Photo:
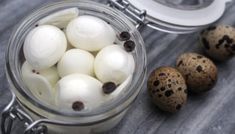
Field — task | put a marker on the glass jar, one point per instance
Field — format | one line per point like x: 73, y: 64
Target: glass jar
x: 39, y: 115
x: 43, y: 118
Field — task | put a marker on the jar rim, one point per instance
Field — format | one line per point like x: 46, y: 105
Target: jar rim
x: 11, y: 61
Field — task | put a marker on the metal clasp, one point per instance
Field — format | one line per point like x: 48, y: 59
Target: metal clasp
x: 135, y: 15
x: 13, y: 112
x: 8, y: 117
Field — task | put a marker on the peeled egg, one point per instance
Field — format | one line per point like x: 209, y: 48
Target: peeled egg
x: 60, y: 19
x: 90, y: 33
x: 44, y: 46
x: 78, y: 92
x: 40, y: 82
x: 113, y: 64
x: 76, y: 61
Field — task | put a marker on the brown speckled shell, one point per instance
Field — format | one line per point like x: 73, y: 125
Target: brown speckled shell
x: 200, y: 72
x: 218, y: 42
x: 167, y: 88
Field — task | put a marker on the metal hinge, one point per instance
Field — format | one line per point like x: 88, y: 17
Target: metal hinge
x: 139, y: 18
x: 135, y: 15
x: 13, y: 112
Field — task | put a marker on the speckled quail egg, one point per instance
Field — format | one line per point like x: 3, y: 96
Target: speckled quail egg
x: 44, y: 46
x: 113, y: 64
x: 218, y: 42
x: 76, y: 92
x: 167, y: 89
x: 76, y: 61
x: 40, y: 82
x: 200, y: 72
x: 90, y: 33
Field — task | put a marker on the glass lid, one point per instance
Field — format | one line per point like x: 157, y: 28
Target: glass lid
x: 178, y: 16
x: 185, y: 4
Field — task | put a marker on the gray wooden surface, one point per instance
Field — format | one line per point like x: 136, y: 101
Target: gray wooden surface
x: 209, y: 113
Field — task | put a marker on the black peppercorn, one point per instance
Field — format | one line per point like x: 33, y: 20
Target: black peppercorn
x: 109, y: 87
x: 125, y: 36
x: 78, y: 106
x: 129, y: 45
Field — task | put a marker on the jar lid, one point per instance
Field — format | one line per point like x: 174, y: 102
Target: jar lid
x: 178, y: 16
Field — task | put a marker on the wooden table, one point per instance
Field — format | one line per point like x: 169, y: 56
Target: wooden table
x: 209, y: 113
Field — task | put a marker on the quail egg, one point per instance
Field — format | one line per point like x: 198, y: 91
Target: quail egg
x: 90, y: 33
x: 218, y: 42
x: 61, y: 18
x: 113, y: 64
x: 76, y: 61
x: 200, y: 72
x: 40, y: 82
x: 78, y: 92
x: 44, y: 46
x: 167, y: 89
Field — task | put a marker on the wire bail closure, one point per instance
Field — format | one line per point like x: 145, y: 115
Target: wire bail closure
x: 140, y: 18
x: 12, y: 112
x: 135, y: 15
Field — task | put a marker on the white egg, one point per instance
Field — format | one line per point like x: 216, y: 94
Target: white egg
x: 40, y: 82
x: 76, y: 61
x: 113, y: 64
x: 44, y: 46
x: 61, y: 18
x: 79, y: 88
x: 90, y: 33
